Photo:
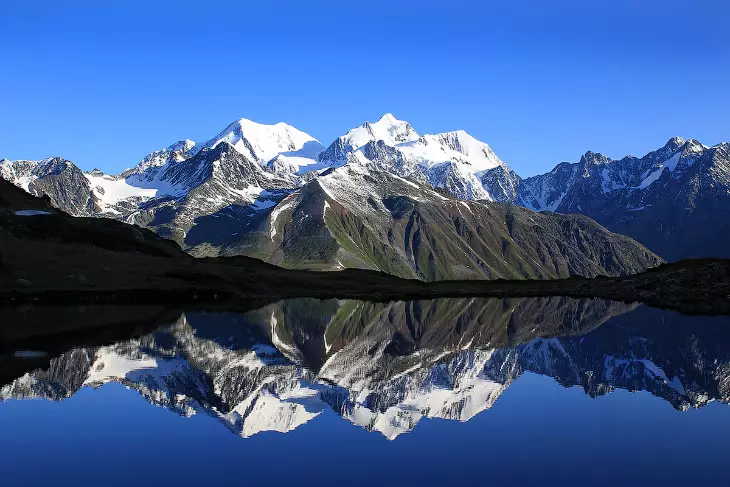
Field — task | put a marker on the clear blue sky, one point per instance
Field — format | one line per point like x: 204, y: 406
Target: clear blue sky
x: 104, y: 83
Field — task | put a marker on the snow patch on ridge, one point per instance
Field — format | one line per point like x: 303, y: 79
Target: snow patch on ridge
x: 650, y: 178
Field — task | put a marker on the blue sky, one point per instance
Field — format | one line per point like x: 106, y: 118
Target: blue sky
x: 103, y: 84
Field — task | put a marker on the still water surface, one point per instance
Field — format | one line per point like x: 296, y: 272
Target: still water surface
x: 308, y: 392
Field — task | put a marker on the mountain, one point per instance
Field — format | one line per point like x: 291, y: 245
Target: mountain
x: 58, y: 178
x: 217, y: 182
x: 675, y: 200
x: 387, y: 365
x: 380, y: 197
x: 388, y: 129
x: 355, y: 216
x: 179, y: 151
x: 280, y: 146
x: 453, y: 160
x: 158, y: 177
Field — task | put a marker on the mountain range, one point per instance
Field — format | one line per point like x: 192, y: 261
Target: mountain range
x: 386, y: 365
x: 434, y: 206
x: 675, y: 200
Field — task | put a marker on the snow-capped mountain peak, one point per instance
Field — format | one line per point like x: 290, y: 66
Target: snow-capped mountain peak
x: 262, y: 143
x: 454, y: 160
x: 693, y: 147
x: 388, y: 129
x: 388, y: 118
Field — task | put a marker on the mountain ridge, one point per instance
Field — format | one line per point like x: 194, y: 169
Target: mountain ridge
x: 206, y: 195
x: 409, y: 230
x: 675, y: 200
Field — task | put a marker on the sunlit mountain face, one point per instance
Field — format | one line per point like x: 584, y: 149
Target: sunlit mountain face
x: 383, y: 366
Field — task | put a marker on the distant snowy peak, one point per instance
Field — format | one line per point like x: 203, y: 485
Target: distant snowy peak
x: 634, y: 173
x: 674, y: 147
x: 261, y: 143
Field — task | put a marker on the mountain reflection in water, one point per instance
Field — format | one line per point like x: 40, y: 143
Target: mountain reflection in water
x: 384, y: 366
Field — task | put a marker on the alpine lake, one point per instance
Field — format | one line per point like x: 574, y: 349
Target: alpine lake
x: 469, y: 391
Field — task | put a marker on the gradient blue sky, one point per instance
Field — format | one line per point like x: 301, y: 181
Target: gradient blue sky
x: 104, y: 83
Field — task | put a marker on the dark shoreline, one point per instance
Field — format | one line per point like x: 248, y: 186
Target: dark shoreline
x: 690, y: 287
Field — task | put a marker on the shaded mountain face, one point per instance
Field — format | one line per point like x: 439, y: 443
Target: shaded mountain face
x: 386, y: 366
x: 366, y: 218
x: 675, y: 200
